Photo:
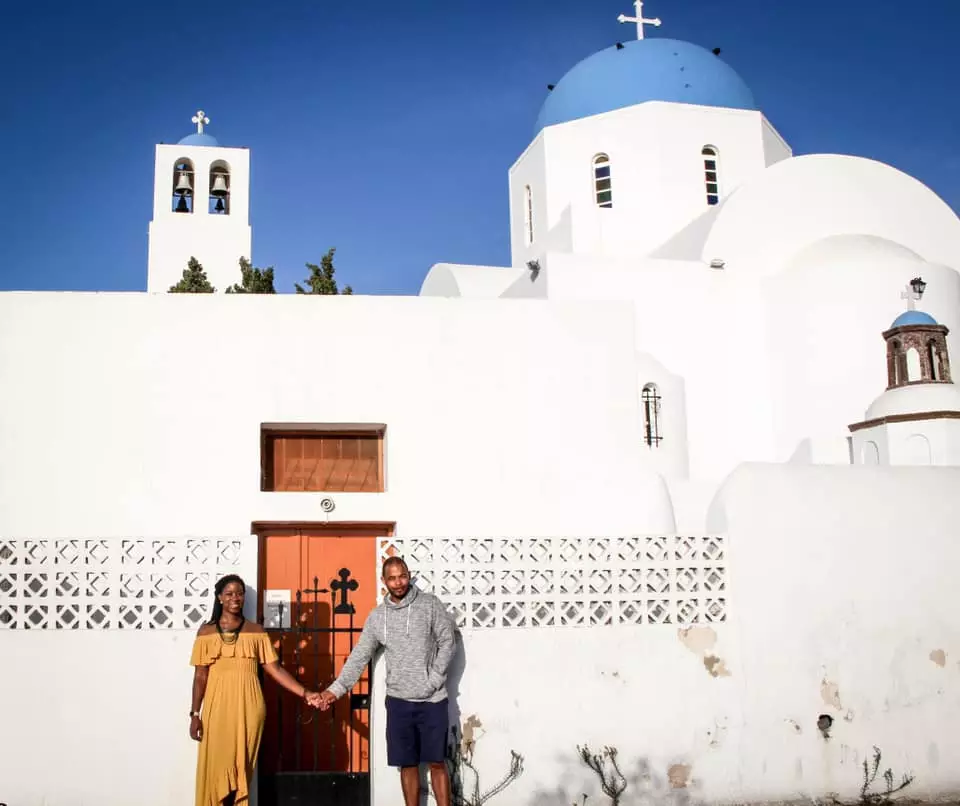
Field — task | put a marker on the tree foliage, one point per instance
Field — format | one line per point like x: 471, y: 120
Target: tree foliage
x: 253, y: 280
x: 322, y: 279
x: 194, y: 280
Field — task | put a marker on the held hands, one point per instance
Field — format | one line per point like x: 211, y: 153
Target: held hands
x: 327, y: 699
x: 322, y: 701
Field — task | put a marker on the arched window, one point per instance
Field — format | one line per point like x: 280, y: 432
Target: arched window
x: 913, y: 365
x: 871, y: 453
x: 650, y: 400
x: 936, y: 371
x: 603, y: 190
x: 183, y: 184
x: 528, y: 215
x: 711, y: 173
x: 219, y: 203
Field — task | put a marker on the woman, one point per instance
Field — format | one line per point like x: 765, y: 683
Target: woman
x: 226, y: 653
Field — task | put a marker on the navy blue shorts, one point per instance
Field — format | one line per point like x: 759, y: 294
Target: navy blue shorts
x: 416, y: 732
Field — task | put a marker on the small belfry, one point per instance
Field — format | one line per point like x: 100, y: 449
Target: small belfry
x: 639, y: 19
x: 201, y: 209
x: 916, y: 420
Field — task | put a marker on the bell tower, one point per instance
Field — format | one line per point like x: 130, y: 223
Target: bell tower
x: 201, y: 209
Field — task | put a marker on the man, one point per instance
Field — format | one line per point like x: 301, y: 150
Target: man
x: 418, y: 636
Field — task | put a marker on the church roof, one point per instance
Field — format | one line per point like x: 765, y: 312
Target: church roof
x: 915, y: 399
x: 644, y: 70
x: 913, y: 318
x: 199, y: 140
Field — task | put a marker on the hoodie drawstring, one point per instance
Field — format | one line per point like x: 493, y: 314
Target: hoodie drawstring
x: 386, y: 620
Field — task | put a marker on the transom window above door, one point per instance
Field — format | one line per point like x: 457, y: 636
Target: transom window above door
x: 322, y: 459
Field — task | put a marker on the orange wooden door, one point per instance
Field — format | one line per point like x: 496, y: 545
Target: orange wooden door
x: 328, y: 579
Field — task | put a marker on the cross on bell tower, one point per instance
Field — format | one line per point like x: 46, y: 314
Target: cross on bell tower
x: 201, y: 120
x: 639, y: 19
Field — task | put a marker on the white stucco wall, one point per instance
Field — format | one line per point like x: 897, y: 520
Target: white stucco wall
x: 140, y: 416
x: 842, y: 579
x: 657, y: 174
x: 917, y: 442
x: 151, y: 412
x: 217, y: 241
x: 831, y: 613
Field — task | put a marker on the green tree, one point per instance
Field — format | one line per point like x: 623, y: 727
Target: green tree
x: 194, y: 280
x: 253, y: 280
x: 321, y: 279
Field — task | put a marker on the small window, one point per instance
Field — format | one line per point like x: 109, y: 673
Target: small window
x: 602, y: 187
x: 933, y: 356
x: 650, y: 400
x: 528, y: 215
x: 711, y: 173
x: 322, y: 461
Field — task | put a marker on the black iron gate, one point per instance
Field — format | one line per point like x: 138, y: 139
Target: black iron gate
x: 309, y: 756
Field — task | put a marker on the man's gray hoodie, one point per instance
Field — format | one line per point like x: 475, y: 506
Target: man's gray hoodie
x: 418, y: 635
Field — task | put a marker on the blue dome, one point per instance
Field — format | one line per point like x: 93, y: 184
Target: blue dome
x: 644, y: 70
x: 199, y: 140
x: 913, y: 318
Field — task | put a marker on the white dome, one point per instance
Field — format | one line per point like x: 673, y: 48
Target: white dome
x: 918, y: 398
x: 801, y: 200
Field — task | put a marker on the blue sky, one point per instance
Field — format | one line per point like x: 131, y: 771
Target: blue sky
x: 386, y: 129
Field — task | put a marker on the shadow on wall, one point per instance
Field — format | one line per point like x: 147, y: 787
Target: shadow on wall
x: 455, y: 674
x: 640, y: 783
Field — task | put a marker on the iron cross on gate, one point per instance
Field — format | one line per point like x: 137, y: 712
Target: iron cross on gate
x: 343, y: 585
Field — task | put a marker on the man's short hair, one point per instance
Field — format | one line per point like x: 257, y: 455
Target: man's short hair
x: 393, y: 561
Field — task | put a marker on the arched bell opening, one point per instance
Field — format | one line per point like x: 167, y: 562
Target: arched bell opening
x: 219, y: 188
x: 182, y: 186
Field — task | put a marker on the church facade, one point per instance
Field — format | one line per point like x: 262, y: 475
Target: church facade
x: 687, y: 472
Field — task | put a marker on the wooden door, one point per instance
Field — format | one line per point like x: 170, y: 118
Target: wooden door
x: 318, y: 584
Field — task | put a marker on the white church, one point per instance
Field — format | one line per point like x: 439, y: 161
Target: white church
x: 687, y: 472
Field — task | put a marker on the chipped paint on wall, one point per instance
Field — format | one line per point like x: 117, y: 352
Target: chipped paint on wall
x: 678, y: 775
x: 700, y: 640
x: 716, y: 666
x: 939, y: 657
x: 830, y: 693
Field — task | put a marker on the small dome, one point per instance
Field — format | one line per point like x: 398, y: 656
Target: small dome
x: 913, y: 318
x: 916, y: 398
x: 644, y: 70
x: 199, y: 140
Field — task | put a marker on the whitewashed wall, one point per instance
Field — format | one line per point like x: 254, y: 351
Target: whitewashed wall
x: 137, y: 416
x: 657, y: 175
x: 844, y: 609
x: 518, y: 418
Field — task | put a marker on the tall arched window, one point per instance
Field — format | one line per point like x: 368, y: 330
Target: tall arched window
x: 914, y: 373
x: 933, y: 356
x: 650, y: 400
x: 219, y: 203
x: 711, y: 173
x: 603, y: 190
x: 183, y: 179
x: 528, y: 215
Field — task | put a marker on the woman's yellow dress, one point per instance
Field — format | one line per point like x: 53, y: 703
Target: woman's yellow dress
x: 233, y: 714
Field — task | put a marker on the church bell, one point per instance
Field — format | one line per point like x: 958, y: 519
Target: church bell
x: 219, y: 186
x: 183, y: 187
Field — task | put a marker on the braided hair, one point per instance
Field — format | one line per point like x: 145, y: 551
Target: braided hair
x: 217, y: 590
